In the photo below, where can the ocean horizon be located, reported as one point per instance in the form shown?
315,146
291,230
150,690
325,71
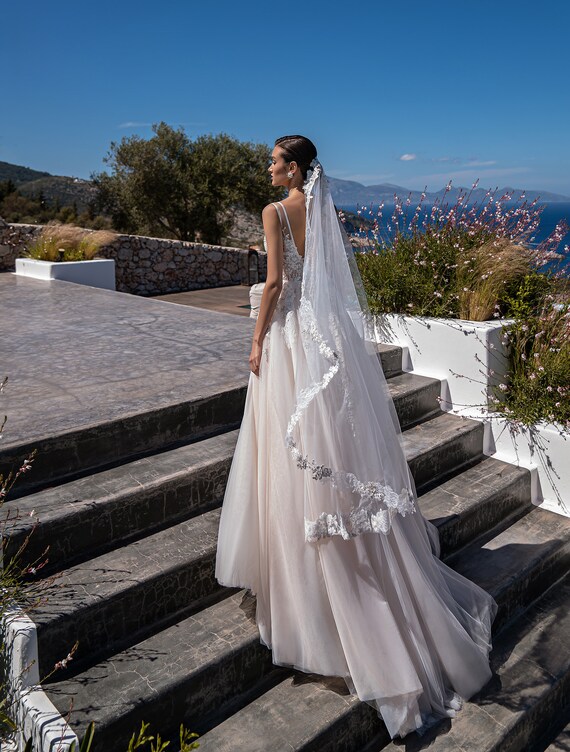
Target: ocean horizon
552,213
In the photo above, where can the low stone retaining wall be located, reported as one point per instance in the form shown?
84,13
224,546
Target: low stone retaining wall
154,266
13,239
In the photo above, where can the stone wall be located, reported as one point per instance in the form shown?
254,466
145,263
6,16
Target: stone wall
13,239
153,266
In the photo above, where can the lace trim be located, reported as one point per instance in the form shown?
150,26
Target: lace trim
313,174
378,501
367,517
309,328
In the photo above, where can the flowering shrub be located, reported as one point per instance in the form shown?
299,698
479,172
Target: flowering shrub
538,340
478,262
465,261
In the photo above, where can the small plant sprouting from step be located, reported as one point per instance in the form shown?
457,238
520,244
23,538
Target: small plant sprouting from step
140,741
157,745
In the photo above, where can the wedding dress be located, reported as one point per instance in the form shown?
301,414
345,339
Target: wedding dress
344,566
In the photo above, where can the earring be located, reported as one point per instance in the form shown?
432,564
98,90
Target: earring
289,175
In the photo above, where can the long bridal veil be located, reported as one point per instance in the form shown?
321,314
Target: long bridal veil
343,431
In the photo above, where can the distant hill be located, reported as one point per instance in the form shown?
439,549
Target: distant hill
67,191
18,174
349,193
55,189
61,190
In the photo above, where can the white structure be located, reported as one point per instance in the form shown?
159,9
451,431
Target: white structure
95,273
36,717
469,358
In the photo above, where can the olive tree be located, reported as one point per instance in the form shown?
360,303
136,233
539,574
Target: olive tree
172,186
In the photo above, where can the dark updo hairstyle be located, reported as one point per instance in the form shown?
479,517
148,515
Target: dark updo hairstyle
298,149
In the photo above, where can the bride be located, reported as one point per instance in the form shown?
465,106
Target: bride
320,519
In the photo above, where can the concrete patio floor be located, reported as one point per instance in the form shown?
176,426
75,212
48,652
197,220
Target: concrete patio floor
77,356
234,299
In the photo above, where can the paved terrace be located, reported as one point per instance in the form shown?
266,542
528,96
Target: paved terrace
77,356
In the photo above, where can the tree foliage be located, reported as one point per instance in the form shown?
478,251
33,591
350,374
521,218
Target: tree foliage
172,186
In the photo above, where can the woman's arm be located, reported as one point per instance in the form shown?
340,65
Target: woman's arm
273,284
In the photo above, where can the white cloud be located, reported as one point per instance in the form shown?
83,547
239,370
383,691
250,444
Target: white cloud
134,124
477,163
407,157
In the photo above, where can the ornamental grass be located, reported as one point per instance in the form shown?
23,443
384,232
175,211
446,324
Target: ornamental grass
69,243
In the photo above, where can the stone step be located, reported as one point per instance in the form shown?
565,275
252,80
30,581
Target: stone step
209,662
518,564
390,356
97,511
440,446
302,715
415,397
529,689
561,743
72,452
487,496
170,673
114,590
107,600
76,452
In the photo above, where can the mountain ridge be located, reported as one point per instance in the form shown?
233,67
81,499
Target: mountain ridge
347,193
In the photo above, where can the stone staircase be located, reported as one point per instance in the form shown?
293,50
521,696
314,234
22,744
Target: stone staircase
130,513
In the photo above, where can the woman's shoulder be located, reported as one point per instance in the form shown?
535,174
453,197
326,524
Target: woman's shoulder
269,215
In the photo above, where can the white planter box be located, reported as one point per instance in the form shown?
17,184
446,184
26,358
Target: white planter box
32,710
95,273
460,353
543,449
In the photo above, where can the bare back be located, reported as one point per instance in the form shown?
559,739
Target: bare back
297,218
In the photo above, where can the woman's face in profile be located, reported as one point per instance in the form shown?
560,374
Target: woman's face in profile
278,168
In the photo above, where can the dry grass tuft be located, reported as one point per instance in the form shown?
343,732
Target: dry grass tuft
484,273
77,243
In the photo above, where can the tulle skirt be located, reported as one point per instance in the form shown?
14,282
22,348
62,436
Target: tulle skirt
407,633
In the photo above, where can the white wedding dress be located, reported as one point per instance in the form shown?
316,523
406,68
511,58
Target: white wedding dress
408,634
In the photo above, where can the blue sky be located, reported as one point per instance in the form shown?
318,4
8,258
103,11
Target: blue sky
409,93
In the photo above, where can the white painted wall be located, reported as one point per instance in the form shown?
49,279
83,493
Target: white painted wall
462,355
95,273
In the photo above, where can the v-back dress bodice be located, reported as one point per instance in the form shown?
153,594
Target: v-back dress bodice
292,268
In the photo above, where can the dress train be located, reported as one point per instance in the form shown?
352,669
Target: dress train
407,633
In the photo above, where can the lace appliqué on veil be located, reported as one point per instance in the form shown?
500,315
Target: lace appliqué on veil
379,502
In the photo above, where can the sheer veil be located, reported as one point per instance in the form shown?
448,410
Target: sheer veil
344,433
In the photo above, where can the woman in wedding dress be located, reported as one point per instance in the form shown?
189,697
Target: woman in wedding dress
320,518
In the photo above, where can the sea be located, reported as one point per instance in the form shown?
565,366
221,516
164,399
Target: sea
551,214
